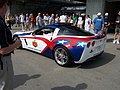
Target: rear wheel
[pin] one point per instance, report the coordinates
(62, 56)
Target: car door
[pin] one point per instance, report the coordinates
(40, 39)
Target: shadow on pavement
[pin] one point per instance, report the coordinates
(105, 58)
(109, 40)
(118, 49)
(81, 86)
(21, 79)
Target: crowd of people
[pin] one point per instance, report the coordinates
(29, 21)
(99, 24)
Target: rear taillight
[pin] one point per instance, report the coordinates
(93, 43)
(88, 44)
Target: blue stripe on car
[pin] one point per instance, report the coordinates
(48, 52)
(23, 34)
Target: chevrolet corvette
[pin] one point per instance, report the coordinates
(65, 43)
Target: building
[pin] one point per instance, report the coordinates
(103, 6)
(43, 6)
(91, 7)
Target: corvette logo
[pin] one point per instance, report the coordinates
(34, 43)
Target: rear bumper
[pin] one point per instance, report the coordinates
(93, 51)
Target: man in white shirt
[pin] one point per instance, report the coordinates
(22, 20)
(63, 19)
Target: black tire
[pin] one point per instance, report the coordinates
(17, 38)
(62, 56)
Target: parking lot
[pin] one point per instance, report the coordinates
(36, 72)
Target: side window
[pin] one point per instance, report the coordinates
(38, 32)
(48, 31)
(44, 31)
(61, 32)
(65, 31)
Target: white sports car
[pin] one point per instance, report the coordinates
(65, 43)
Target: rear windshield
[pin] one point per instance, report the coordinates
(75, 31)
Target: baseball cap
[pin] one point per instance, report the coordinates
(99, 14)
(106, 14)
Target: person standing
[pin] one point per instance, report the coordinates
(63, 18)
(57, 19)
(107, 23)
(74, 17)
(16, 20)
(70, 20)
(46, 19)
(80, 21)
(7, 45)
(32, 21)
(27, 22)
(87, 23)
(52, 19)
(39, 21)
(117, 29)
(8, 18)
(98, 24)
(22, 21)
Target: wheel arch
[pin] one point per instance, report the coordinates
(71, 57)
(58, 46)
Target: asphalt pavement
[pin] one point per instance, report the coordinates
(36, 72)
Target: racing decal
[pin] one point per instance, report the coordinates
(34, 43)
(82, 44)
(49, 43)
(47, 52)
(23, 34)
(25, 42)
(74, 45)
(62, 41)
(56, 32)
(70, 42)
(78, 50)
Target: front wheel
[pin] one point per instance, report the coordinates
(62, 56)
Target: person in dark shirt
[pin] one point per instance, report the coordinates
(7, 45)
(117, 29)
(107, 22)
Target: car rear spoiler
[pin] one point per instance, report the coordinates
(99, 36)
